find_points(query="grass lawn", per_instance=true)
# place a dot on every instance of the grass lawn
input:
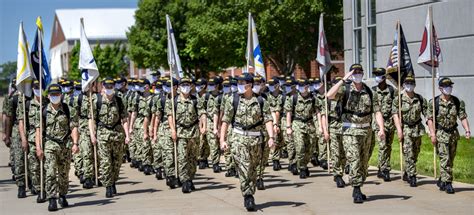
(463, 162)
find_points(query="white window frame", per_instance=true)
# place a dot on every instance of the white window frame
(356, 48)
(369, 46)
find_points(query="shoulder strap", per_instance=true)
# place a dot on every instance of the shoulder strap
(295, 101)
(347, 92)
(66, 111)
(235, 105)
(14, 106)
(418, 96)
(391, 89)
(436, 105)
(120, 105)
(457, 103)
(260, 103)
(369, 91)
(98, 106)
(79, 100)
(71, 100)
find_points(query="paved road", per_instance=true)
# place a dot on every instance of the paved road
(216, 194)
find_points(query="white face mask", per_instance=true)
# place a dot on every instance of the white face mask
(226, 89)
(271, 88)
(167, 89)
(256, 89)
(357, 78)
(409, 87)
(241, 88)
(281, 83)
(199, 88)
(55, 99)
(109, 91)
(301, 89)
(234, 88)
(36, 92)
(137, 88)
(118, 86)
(66, 89)
(157, 91)
(447, 90)
(379, 79)
(211, 88)
(185, 89)
(287, 89)
(77, 92)
(317, 86)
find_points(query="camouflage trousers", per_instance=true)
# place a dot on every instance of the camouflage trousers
(19, 157)
(214, 147)
(187, 148)
(285, 138)
(228, 154)
(77, 162)
(265, 153)
(357, 145)
(157, 153)
(411, 149)
(168, 155)
(385, 149)
(303, 146)
(134, 144)
(86, 152)
(203, 150)
(34, 167)
(275, 153)
(143, 149)
(110, 151)
(247, 151)
(57, 165)
(447, 144)
(337, 153)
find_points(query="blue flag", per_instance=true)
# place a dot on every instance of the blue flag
(35, 51)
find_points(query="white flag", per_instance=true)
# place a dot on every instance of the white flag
(254, 54)
(429, 46)
(24, 71)
(173, 57)
(323, 56)
(87, 65)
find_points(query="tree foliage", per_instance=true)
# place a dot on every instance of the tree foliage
(212, 35)
(110, 60)
(7, 72)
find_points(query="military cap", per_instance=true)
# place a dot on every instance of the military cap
(316, 81)
(186, 80)
(445, 82)
(245, 77)
(280, 77)
(302, 82)
(213, 81)
(144, 82)
(66, 83)
(233, 81)
(258, 78)
(226, 83)
(158, 83)
(273, 81)
(77, 85)
(410, 78)
(35, 84)
(356, 66)
(54, 88)
(290, 81)
(108, 81)
(120, 80)
(201, 81)
(168, 82)
(379, 71)
(337, 79)
(218, 79)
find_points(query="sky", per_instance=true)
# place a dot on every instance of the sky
(12, 12)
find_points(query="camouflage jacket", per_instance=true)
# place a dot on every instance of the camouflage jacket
(447, 115)
(248, 113)
(412, 109)
(385, 102)
(187, 116)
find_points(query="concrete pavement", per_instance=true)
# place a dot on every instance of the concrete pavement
(216, 194)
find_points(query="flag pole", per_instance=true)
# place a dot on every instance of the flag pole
(399, 94)
(92, 117)
(40, 72)
(430, 14)
(25, 154)
(327, 118)
(174, 123)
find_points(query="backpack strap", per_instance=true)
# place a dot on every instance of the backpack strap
(98, 107)
(14, 106)
(418, 96)
(295, 101)
(235, 105)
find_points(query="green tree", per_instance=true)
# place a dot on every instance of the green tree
(7, 71)
(109, 59)
(212, 35)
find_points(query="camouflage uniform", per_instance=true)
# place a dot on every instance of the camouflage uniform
(356, 130)
(7, 110)
(413, 129)
(143, 148)
(86, 150)
(134, 139)
(302, 125)
(229, 157)
(385, 101)
(187, 131)
(275, 103)
(167, 143)
(320, 146)
(203, 150)
(57, 150)
(33, 162)
(336, 146)
(247, 148)
(157, 110)
(110, 137)
(447, 135)
(18, 154)
(212, 108)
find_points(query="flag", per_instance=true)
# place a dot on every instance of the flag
(24, 71)
(87, 65)
(429, 46)
(173, 57)
(323, 56)
(399, 56)
(36, 49)
(254, 54)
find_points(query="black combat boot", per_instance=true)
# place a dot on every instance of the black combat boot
(302, 174)
(82, 180)
(284, 154)
(147, 169)
(108, 192)
(412, 181)
(323, 164)
(186, 187)
(405, 176)
(276, 165)
(88, 184)
(53, 205)
(449, 188)
(379, 174)
(133, 164)
(386, 176)
(294, 169)
(230, 172)
(216, 168)
(357, 195)
(114, 189)
(249, 202)
(159, 174)
(63, 201)
(193, 188)
(314, 160)
(40, 199)
(260, 185)
(21, 192)
(339, 182)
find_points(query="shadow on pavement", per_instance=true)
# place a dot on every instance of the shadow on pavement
(382, 197)
(217, 186)
(278, 203)
(372, 182)
(94, 202)
(128, 182)
(81, 195)
(464, 189)
(426, 182)
(149, 190)
(296, 185)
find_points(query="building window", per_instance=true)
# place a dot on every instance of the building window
(357, 31)
(371, 36)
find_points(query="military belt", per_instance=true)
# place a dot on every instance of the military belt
(411, 125)
(355, 125)
(304, 120)
(247, 133)
(334, 119)
(56, 140)
(101, 124)
(189, 125)
(359, 114)
(448, 130)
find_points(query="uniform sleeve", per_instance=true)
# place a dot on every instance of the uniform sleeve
(19, 109)
(395, 105)
(147, 109)
(267, 114)
(168, 111)
(375, 104)
(8, 106)
(132, 107)
(425, 111)
(74, 118)
(288, 104)
(277, 104)
(228, 111)
(200, 106)
(462, 110)
(430, 110)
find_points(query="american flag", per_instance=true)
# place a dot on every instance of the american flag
(401, 54)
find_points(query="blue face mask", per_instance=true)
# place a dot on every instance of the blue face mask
(211, 88)
(271, 88)
(226, 90)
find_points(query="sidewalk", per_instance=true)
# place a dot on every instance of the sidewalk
(216, 194)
